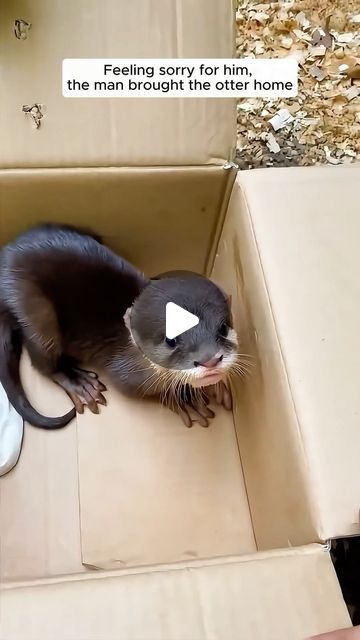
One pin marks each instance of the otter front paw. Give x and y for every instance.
(220, 394)
(191, 406)
(83, 387)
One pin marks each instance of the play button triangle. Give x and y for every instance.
(178, 320)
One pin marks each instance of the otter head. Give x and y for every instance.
(202, 355)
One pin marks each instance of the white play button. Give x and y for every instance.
(178, 320)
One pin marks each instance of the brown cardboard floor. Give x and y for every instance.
(88, 492)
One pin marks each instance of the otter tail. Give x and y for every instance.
(10, 352)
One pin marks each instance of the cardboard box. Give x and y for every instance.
(126, 525)
(352, 633)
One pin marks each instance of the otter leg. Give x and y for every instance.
(40, 330)
(43, 341)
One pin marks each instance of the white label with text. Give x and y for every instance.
(179, 78)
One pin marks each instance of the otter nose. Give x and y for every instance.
(209, 364)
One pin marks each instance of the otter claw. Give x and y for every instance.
(220, 394)
(83, 388)
(191, 410)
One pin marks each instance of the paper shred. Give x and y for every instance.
(260, 17)
(352, 93)
(21, 29)
(251, 105)
(318, 51)
(327, 41)
(302, 20)
(302, 35)
(317, 73)
(331, 159)
(259, 48)
(271, 144)
(323, 39)
(286, 42)
(34, 111)
(346, 37)
(309, 121)
(281, 119)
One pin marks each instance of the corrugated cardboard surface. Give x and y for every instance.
(159, 218)
(131, 486)
(39, 503)
(95, 132)
(288, 595)
(309, 260)
(353, 633)
(271, 449)
(152, 491)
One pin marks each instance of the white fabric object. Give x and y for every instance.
(11, 434)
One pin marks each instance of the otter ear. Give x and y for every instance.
(126, 318)
(228, 298)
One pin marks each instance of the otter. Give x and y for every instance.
(70, 301)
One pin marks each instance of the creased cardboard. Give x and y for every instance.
(279, 496)
(295, 262)
(183, 487)
(280, 596)
(92, 132)
(131, 469)
(309, 255)
(158, 218)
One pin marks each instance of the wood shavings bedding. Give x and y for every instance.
(322, 124)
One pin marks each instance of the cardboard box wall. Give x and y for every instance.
(60, 513)
(293, 238)
(57, 505)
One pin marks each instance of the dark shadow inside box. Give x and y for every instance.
(345, 554)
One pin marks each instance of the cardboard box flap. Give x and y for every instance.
(143, 213)
(290, 594)
(306, 228)
(111, 132)
(352, 633)
(278, 488)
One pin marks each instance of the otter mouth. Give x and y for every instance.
(208, 378)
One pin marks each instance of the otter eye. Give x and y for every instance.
(224, 330)
(171, 342)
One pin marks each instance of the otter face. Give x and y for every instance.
(201, 356)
